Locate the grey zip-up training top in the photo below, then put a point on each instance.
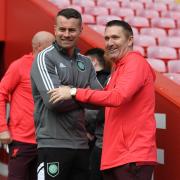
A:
(61, 124)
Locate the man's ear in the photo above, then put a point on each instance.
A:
(130, 41)
(81, 29)
(55, 29)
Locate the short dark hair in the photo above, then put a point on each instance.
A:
(122, 24)
(98, 53)
(70, 13)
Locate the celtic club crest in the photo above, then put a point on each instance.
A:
(81, 65)
(53, 169)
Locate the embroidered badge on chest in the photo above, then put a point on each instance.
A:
(53, 169)
(81, 65)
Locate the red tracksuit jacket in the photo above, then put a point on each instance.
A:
(129, 132)
(16, 83)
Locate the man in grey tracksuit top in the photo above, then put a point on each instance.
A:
(60, 124)
(60, 127)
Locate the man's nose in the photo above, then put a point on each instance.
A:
(110, 42)
(66, 34)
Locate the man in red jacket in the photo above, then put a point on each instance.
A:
(129, 147)
(19, 131)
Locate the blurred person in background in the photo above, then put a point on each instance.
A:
(19, 132)
(129, 142)
(95, 118)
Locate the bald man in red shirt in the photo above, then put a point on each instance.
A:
(19, 131)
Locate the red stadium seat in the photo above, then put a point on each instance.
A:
(138, 22)
(174, 66)
(175, 77)
(148, 13)
(157, 64)
(103, 19)
(158, 6)
(174, 32)
(173, 41)
(98, 28)
(165, 23)
(61, 3)
(161, 52)
(171, 14)
(109, 4)
(167, 2)
(122, 12)
(96, 10)
(178, 24)
(88, 19)
(135, 5)
(86, 3)
(144, 41)
(174, 6)
(144, 2)
(155, 32)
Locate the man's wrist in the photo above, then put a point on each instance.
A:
(73, 91)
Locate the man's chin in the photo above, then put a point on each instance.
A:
(113, 58)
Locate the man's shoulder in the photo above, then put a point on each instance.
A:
(22, 60)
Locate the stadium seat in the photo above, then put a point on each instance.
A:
(122, 12)
(61, 3)
(165, 23)
(138, 22)
(103, 19)
(175, 77)
(174, 7)
(155, 32)
(88, 19)
(171, 14)
(148, 13)
(144, 40)
(173, 66)
(173, 41)
(96, 10)
(135, 5)
(157, 64)
(144, 2)
(139, 49)
(158, 6)
(174, 32)
(167, 2)
(108, 4)
(178, 23)
(86, 3)
(98, 28)
(161, 52)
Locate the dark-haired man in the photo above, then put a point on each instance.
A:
(95, 118)
(129, 147)
(60, 128)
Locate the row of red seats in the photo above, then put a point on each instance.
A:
(136, 5)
